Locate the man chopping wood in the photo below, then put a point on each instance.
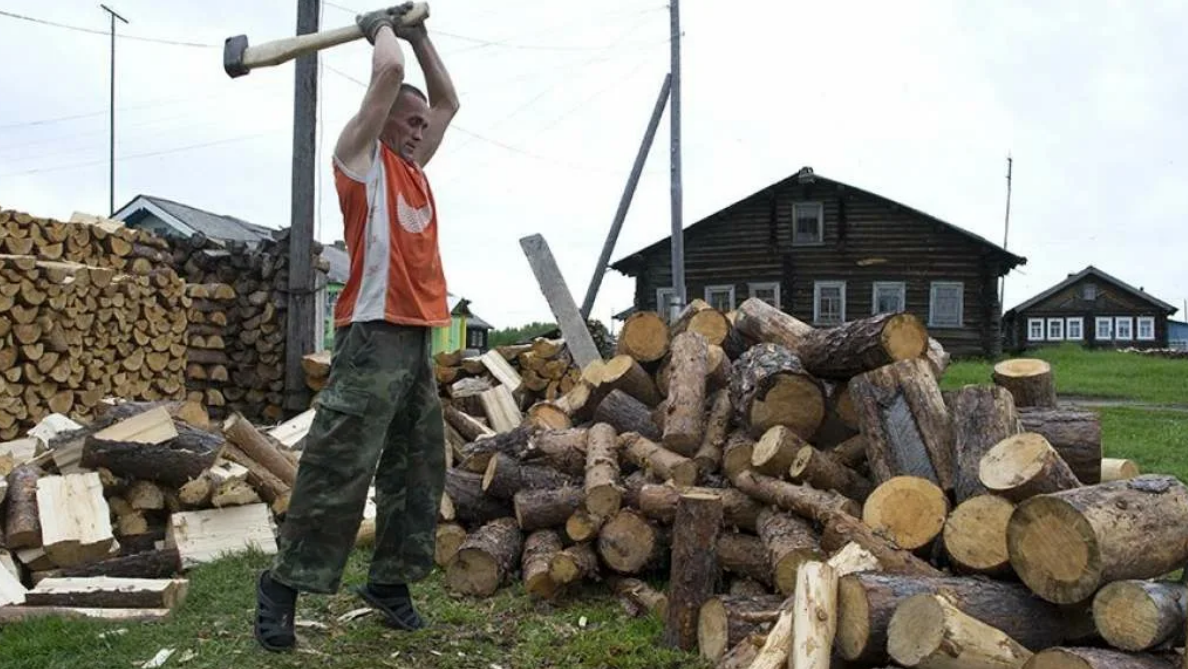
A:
(379, 414)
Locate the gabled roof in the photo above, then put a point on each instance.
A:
(474, 322)
(189, 220)
(1091, 270)
(623, 265)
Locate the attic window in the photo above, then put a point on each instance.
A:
(808, 223)
(1089, 291)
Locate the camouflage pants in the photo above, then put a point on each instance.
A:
(379, 415)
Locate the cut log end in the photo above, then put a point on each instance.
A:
(908, 509)
(1138, 615)
(904, 337)
(975, 534)
(927, 630)
(1024, 465)
(1029, 380)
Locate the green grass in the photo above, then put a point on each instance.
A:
(508, 630)
(1107, 374)
(1156, 440)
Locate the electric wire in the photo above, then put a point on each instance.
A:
(107, 33)
(135, 156)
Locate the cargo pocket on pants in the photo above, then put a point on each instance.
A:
(337, 434)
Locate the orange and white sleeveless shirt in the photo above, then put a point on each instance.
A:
(390, 225)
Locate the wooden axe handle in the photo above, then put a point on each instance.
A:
(283, 50)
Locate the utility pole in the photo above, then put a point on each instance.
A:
(625, 201)
(300, 326)
(111, 139)
(678, 229)
(1007, 231)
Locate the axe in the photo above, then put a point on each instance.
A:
(240, 59)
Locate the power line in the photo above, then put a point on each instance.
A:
(135, 156)
(155, 40)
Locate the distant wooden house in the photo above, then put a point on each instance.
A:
(1177, 335)
(1090, 308)
(827, 252)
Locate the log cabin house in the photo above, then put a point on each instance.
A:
(827, 252)
(1093, 309)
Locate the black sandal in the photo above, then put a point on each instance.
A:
(274, 622)
(398, 611)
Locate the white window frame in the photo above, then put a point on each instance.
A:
(1043, 329)
(960, 286)
(1058, 322)
(1118, 329)
(766, 285)
(1068, 328)
(1138, 328)
(660, 302)
(1106, 321)
(899, 286)
(720, 288)
(817, 286)
(820, 223)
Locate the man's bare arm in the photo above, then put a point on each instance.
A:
(356, 143)
(443, 99)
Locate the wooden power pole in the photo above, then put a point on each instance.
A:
(302, 312)
(678, 230)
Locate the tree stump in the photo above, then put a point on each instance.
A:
(694, 570)
(1029, 380)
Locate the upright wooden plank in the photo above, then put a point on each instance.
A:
(502, 370)
(552, 285)
(501, 409)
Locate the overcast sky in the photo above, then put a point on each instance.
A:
(918, 101)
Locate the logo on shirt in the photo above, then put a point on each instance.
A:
(411, 218)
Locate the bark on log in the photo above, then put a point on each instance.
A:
(694, 569)
(626, 414)
(604, 492)
(638, 596)
(851, 453)
(1074, 433)
(576, 563)
(842, 529)
(862, 345)
(698, 316)
(790, 542)
(248, 438)
(540, 548)
(665, 464)
(471, 505)
(1066, 545)
(975, 535)
(172, 462)
(736, 455)
(505, 476)
(658, 501)
(684, 419)
(477, 454)
(1025, 465)
(546, 509)
(22, 524)
(165, 563)
(982, 417)
(623, 372)
(938, 358)
(816, 505)
(271, 489)
(905, 422)
(908, 510)
(866, 602)
(449, 538)
(487, 559)
(775, 451)
(644, 336)
(826, 473)
(465, 424)
(725, 620)
(1096, 658)
(109, 593)
(563, 450)
(761, 322)
(770, 387)
(1029, 380)
(745, 555)
(928, 631)
(717, 428)
(1138, 615)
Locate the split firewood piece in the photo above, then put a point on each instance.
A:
(233, 493)
(777, 647)
(563, 450)
(1066, 545)
(746, 556)
(501, 409)
(75, 519)
(814, 616)
(698, 316)
(165, 563)
(12, 591)
(909, 510)
(487, 559)
(256, 446)
(505, 476)
(717, 427)
(638, 597)
(905, 422)
(684, 419)
(578, 562)
(628, 543)
(982, 416)
(644, 336)
(975, 535)
(736, 455)
(770, 387)
(626, 414)
(823, 472)
(725, 620)
(658, 501)
(604, 492)
(204, 536)
(471, 505)
(293, 432)
(665, 464)
(172, 462)
(775, 451)
(448, 539)
(111, 593)
(476, 455)
(624, 372)
(861, 345)
(1112, 469)
(694, 569)
(806, 502)
(502, 370)
(1138, 615)
(867, 601)
(852, 559)
(762, 322)
(540, 549)
(928, 631)
(842, 529)
(153, 426)
(22, 522)
(270, 488)
(577, 403)
(465, 424)
(1029, 380)
(1097, 658)
(1024, 465)
(145, 495)
(546, 509)
(790, 542)
(1074, 433)
(14, 614)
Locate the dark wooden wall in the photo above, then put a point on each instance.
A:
(866, 239)
(1112, 300)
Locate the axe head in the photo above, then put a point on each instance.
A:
(233, 50)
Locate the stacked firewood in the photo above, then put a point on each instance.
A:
(73, 333)
(521, 375)
(207, 374)
(103, 518)
(814, 499)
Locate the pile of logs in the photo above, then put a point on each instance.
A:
(814, 499)
(207, 375)
(103, 519)
(502, 383)
(87, 311)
